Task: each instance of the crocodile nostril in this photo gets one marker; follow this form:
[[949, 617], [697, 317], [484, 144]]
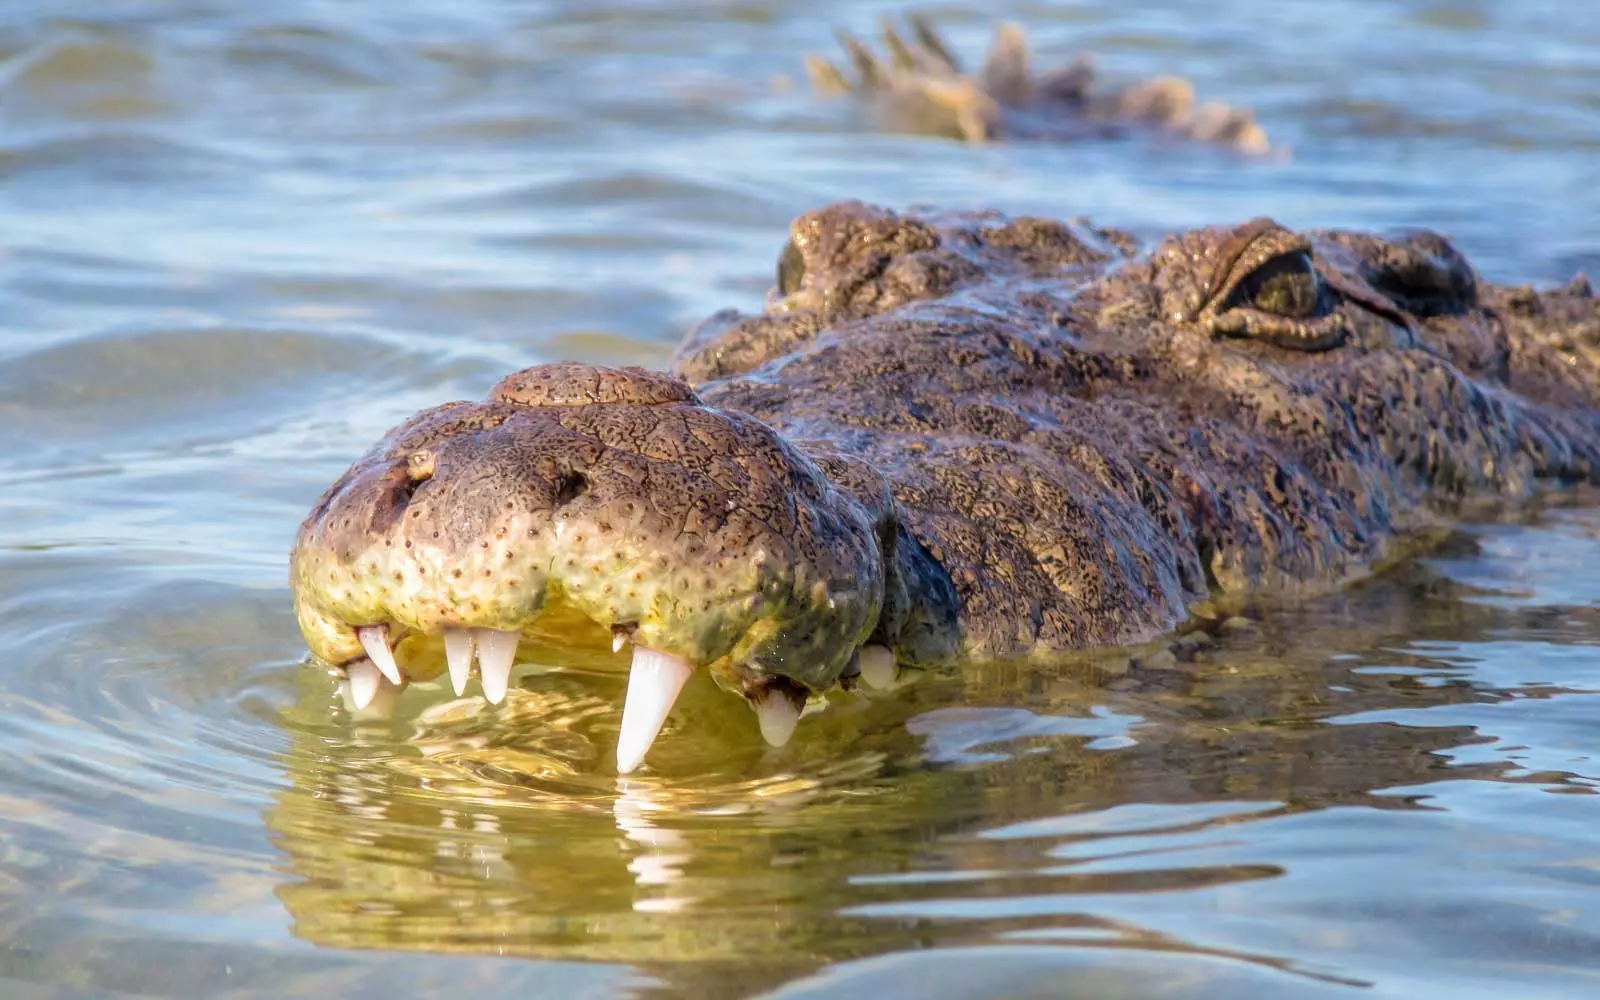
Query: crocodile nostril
[[570, 487], [401, 483], [419, 466]]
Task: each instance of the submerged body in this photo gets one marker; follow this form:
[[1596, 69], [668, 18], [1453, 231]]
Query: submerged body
[[954, 437]]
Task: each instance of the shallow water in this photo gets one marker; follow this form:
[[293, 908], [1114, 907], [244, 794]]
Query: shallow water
[[240, 241]]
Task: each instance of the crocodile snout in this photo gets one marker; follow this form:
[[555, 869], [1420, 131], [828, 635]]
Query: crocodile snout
[[615, 497]]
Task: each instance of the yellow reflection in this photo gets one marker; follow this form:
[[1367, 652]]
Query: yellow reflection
[[455, 826]]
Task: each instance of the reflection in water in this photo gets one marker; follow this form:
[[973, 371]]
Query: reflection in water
[[1008, 808]]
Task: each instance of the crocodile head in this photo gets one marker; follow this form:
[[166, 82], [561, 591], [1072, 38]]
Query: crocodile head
[[953, 437], [583, 501]]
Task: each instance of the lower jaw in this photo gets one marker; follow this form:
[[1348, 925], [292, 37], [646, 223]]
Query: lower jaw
[[655, 680]]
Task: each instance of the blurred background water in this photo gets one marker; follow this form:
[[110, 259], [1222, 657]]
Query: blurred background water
[[239, 241]]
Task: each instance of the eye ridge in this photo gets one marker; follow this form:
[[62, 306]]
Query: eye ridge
[[1287, 285]]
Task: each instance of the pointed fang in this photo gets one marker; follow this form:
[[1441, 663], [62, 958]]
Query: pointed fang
[[375, 640], [364, 681], [458, 654], [778, 716], [497, 650], [653, 685], [877, 667]]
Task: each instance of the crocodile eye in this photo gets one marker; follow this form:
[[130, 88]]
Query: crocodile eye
[[1285, 286], [791, 269]]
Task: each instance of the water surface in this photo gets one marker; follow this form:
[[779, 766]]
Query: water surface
[[241, 241]]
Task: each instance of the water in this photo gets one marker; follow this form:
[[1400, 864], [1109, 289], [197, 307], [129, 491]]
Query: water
[[240, 241]]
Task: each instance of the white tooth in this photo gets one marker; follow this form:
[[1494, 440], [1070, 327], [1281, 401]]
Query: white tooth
[[375, 640], [385, 703], [653, 685], [877, 667], [458, 653], [778, 717], [618, 640], [496, 651], [364, 681]]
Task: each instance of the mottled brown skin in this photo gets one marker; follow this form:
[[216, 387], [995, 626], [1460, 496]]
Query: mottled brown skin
[[918, 85], [967, 437]]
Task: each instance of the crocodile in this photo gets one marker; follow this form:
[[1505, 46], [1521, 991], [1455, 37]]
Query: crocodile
[[918, 86], [955, 438]]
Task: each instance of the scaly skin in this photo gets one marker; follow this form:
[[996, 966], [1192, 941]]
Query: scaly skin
[[964, 437], [920, 87]]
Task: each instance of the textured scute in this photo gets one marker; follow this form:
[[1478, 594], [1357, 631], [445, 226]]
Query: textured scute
[[918, 85], [852, 260], [1086, 444], [572, 384], [962, 436], [1553, 338]]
